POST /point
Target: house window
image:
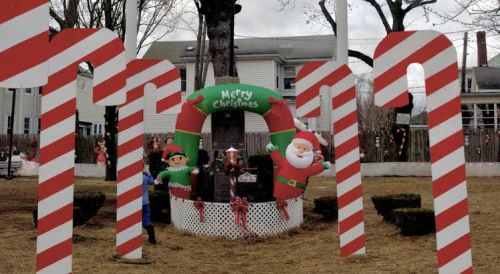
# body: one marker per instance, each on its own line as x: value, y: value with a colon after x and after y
x: 8, y: 124
x: 38, y: 126
x: 27, y: 125
x: 97, y: 129
x: 289, y: 79
x: 469, y: 85
x: 183, y: 78
x: 28, y: 91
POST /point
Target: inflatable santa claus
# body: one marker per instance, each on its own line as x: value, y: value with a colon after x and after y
x: 290, y: 177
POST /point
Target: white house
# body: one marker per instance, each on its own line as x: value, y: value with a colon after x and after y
x: 481, y: 102
x: 27, y: 109
x: 267, y: 62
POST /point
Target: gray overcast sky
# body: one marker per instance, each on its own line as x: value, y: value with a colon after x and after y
x: 263, y: 18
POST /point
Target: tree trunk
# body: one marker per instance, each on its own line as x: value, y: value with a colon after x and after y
x: 110, y: 128
x: 218, y: 18
x: 111, y: 113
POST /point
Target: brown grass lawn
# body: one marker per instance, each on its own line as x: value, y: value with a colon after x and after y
x: 312, y: 249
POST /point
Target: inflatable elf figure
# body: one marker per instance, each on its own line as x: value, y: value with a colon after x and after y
x: 291, y: 175
x: 177, y: 173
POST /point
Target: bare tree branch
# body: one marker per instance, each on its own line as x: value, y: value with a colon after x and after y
x: 361, y: 56
x: 56, y: 17
x: 417, y: 3
x: 381, y: 14
x: 328, y: 16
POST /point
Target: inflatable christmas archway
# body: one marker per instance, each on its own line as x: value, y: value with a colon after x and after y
x: 222, y: 219
x: 267, y: 103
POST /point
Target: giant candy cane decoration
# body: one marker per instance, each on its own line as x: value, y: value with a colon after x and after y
x: 438, y: 57
x: 166, y: 77
x: 340, y: 80
x: 57, y: 138
x: 24, y: 43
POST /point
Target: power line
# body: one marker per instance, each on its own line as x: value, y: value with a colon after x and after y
x: 356, y: 39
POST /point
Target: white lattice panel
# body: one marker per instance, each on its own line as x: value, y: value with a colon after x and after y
x: 263, y: 219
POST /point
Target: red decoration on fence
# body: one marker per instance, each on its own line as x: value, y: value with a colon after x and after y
x: 240, y: 207
x: 281, y: 206
x: 200, y: 206
x: 439, y: 58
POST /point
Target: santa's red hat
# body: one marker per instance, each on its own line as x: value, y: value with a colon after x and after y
x: 307, y: 138
x: 172, y: 150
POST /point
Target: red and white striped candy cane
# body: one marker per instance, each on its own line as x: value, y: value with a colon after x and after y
x: 24, y: 43
x: 340, y: 80
x: 232, y: 182
x: 166, y: 78
x: 57, y: 137
x: 438, y: 57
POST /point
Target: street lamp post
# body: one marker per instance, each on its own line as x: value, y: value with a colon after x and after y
x: 11, y: 136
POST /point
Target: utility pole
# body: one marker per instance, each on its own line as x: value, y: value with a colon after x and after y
x: 342, y: 33
x: 464, y: 64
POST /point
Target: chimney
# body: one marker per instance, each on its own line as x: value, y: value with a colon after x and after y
x: 482, y: 56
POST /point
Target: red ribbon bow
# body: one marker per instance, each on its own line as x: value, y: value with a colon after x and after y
x: 200, y: 206
x: 240, y: 207
x: 281, y: 206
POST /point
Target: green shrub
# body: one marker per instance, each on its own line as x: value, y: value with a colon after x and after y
x: 86, y: 204
x: 387, y: 203
x: 414, y: 221
x: 159, y: 204
x: 327, y: 207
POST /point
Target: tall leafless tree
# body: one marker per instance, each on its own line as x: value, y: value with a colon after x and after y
x: 202, y: 59
x: 392, y: 18
x: 474, y: 13
x: 218, y: 19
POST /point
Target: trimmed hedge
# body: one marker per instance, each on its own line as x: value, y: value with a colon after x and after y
x: 86, y: 204
x: 414, y: 221
x: 327, y: 207
x: 159, y: 204
x: 387, y: 203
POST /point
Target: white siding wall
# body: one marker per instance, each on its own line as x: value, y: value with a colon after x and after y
x: 260, y: 73
x: 324, y: 120
x: 253, y: 72
x: 3, y: 110
x: 27, y: 106
x: 87, y: 111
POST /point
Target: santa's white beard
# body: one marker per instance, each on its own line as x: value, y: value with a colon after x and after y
x: 292, y: 156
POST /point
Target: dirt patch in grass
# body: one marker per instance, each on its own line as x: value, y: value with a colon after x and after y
x: 313, y: 248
